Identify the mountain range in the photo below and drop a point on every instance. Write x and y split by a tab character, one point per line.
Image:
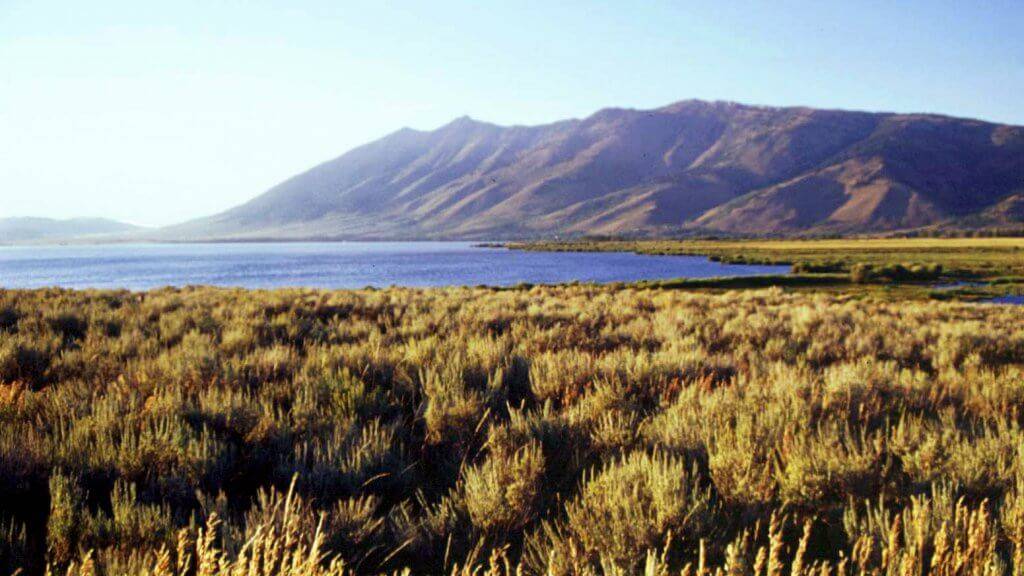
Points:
692	166
29	230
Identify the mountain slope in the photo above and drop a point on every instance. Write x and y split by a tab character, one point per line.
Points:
28	230
710	165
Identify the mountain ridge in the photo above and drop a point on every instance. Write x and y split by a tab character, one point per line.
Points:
28	229
692	165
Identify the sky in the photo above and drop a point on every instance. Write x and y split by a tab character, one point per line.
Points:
158	112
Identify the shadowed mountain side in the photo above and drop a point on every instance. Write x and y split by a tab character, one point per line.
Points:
710	165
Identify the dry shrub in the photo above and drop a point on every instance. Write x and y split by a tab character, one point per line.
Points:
550	429
632	504
503	493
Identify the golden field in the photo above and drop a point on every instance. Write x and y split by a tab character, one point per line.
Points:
966	258
544	430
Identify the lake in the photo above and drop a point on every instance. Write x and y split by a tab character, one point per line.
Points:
336	265
1009	299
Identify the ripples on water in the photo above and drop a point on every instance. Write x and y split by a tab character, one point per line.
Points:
336	265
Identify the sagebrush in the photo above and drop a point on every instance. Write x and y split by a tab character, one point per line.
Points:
544	430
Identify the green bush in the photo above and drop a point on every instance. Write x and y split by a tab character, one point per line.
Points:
66	519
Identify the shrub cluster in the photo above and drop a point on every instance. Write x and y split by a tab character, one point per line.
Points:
541	430
862	273
826	266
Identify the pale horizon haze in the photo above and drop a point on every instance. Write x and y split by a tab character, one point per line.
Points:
156	113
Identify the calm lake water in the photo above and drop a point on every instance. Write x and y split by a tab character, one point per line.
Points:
1015	300
335	265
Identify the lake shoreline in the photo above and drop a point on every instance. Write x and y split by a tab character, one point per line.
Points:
339	266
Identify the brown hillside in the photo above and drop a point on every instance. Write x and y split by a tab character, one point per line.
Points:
709	165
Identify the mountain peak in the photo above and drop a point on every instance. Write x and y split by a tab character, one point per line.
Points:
464	122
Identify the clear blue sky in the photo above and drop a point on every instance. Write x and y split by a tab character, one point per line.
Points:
155	112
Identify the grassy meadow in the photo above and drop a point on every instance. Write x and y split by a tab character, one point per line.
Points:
845	264
538	430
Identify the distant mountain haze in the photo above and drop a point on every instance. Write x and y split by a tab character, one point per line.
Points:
693	165
19	230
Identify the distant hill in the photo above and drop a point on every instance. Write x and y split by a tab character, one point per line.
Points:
33	230
693	165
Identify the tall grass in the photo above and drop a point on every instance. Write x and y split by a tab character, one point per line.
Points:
544	430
